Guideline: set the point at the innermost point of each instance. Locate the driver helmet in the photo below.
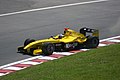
(60, 36)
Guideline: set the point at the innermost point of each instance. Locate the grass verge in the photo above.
(96, 64)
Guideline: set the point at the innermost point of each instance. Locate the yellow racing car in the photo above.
(69, 40)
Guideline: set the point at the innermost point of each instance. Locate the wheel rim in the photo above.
(50, 48)
(95, 42)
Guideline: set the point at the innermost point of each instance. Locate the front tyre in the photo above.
(48, 49)
(27, 41)
(20, 49)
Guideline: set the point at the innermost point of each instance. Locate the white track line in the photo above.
(31, 62)
(21, 61)
(53, 7)
(13, 68)
(2, 74)
(47, 58)
(64, 53)
(114, 40)
(109, 38)
(101, 45)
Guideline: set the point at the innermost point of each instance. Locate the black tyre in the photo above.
(20, 49)
(92, 42)
(31, 51)
(48, 49)
(27, 41)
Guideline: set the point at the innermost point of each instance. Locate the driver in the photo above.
(60, 36)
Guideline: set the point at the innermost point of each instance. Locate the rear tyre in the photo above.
(27, 41)
(92, 42)
(48, 49)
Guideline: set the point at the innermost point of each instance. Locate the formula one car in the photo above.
(67, 41)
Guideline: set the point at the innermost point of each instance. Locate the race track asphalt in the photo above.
(7, 6)
(14, 29)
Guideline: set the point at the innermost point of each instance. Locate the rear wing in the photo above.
(87, 31)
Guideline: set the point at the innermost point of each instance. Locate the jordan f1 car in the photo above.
(67, 41)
